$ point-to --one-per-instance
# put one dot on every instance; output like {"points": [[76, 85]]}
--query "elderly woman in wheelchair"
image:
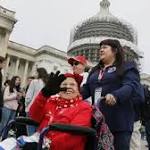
{"points": [[58, 102]]}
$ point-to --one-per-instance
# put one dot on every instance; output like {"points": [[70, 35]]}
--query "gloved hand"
{"points": [[53, 84]]}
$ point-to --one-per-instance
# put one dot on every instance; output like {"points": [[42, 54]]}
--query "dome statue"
{"points": [[86, 36]]}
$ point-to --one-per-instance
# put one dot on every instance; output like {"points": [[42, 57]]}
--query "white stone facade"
{"points": [[7, 22], [22, 60], [145, 79]]}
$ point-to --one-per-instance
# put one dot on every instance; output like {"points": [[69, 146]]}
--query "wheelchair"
{"points": [[94, 135]]}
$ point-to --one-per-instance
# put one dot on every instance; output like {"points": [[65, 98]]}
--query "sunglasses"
{"points": [[75, 63]]}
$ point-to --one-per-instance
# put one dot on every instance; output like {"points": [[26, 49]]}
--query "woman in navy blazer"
{"points": [[118, 83]]}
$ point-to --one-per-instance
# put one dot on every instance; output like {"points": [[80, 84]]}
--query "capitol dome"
{"points": [[86, 36]]}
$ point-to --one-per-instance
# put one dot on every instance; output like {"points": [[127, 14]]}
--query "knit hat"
{"points": [[77, 77]]}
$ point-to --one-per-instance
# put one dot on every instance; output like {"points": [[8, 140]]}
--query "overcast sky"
{"points": [[48, 22]]}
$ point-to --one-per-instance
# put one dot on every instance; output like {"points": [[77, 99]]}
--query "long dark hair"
{"points": [[119, 61], [12, 84], [42, 74]]}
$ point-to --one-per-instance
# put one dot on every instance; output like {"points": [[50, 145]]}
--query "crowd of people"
{"points": [[113, 86]]}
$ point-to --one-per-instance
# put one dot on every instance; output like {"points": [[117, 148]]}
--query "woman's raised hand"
{"points": [[52, 86]]}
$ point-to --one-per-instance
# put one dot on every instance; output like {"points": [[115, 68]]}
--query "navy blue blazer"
{"points": [[126, 90]]}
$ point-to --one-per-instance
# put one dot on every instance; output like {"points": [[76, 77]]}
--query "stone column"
{"points": [[25, 72], [7, 21], [34, 68], [6, 67], [17, 65]]}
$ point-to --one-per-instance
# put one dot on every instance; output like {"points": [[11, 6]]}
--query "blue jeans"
{"points": [[147, 129], [7, 115], [30, 129], [122, 140]]}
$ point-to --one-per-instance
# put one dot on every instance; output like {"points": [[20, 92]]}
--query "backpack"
{"points": [[145, 111]]}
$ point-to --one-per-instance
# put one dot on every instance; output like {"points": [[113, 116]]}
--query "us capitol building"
{"points": [[84, 40], [86, 36]]}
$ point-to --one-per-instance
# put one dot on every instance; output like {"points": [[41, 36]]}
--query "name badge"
{"points": [[112, 69], [97, 96]]}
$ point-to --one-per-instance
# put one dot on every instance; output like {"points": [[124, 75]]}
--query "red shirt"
{"points": [[58, 110]]}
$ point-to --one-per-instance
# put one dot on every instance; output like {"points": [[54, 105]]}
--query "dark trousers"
{"points": [[147, 129], [122, 140]]}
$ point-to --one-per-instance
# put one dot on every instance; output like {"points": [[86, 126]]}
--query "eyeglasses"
{"points": [[75, 63]]}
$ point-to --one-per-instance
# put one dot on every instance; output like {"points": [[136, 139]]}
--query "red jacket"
{"points": [[58, 110]]}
